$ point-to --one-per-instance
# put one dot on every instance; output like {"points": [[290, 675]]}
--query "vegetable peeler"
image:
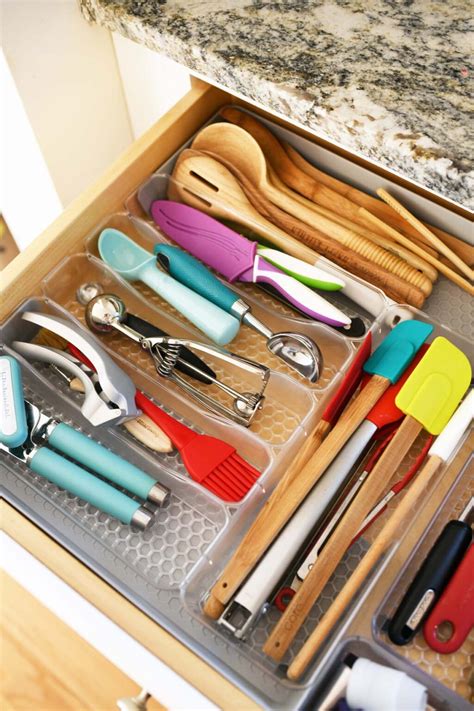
{"points": [[35, 439]]}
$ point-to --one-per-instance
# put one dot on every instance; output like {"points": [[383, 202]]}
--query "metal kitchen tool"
{"points": [[106, 312], [433, 576], [388, 362], [87, 291], [295, 349], [134, 263], [236, 258], [140, 427], [439, 380], [117, 386], [44, 432]]}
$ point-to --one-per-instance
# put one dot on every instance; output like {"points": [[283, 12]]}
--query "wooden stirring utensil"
{"points": [[428, 398], [386, 365], [438, 454], [201, 180], [379, 209], [239, 149], [440, 266], [430, 236]]}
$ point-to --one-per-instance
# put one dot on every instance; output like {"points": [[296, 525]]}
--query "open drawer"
{"points": [[132, 609]]}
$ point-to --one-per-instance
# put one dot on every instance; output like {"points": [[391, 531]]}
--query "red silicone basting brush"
{"points": [[209, 460]]}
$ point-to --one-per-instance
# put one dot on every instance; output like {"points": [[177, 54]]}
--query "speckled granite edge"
{"points": [[351, 119]]}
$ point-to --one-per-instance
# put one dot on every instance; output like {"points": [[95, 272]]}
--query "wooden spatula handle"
{"points": [[291, 491], [329, 558], [386, 537]]}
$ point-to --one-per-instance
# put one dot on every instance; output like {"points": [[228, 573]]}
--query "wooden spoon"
{"points": [[390, 245], [239, 149], [203, 182], [380, 210]]}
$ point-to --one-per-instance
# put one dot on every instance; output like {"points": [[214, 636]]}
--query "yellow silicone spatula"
{"points": [[428, 399]]}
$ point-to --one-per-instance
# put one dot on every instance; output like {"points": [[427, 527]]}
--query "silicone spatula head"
{"points": [[435, 388], [13, 427], [398, 349]]}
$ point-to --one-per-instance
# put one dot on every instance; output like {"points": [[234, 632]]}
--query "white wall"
{"points": [[66, 74], [152, 83]]}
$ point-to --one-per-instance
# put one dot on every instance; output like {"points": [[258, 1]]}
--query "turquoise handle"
{"points": [[192, 273], [69, 476], [13, 428], [99, 459], [209, 318]]}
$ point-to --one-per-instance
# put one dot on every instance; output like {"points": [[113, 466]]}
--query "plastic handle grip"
{"points": [[99, 459], [13, 428], [299, 294], [191, 272], [69, 476], [434, 574], [209, 318], [304, 272], [455, 606], [454, 430]]}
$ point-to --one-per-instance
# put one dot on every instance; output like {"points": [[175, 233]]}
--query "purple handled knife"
{"points": [[236, 258]]}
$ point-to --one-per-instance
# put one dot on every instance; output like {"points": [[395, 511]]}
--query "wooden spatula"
{"points": [[386, 365], [428, 399]]}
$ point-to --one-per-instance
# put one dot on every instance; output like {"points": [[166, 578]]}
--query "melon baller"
{"points": [[107, 312]]}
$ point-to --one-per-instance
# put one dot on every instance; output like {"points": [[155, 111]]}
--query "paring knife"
{"points": [[236, 258], [434, 574], [302, 271]]}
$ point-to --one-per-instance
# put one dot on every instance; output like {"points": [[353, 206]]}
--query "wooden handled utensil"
{"points": [[379, 209], [386, 365], [204, 182], [440, 266], [429, 398], [438, 454], [239, 149], [430, 236], [422, 268]]}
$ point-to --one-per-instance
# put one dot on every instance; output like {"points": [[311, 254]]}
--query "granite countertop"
{"points": [[386, 79]]}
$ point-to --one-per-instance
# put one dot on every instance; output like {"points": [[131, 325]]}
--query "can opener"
{"points": [[35, 439]]}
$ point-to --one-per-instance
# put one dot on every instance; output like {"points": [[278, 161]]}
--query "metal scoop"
{"points": [[107, 312], [297, 350]]}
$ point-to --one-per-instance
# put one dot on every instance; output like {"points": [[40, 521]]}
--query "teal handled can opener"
{"points": [[36, 439]]}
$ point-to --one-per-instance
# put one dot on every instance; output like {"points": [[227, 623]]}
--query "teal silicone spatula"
{"points": [[387, 364], [134, 263]]}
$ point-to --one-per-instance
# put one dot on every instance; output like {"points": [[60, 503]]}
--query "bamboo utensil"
{"points": [[447, 271], [240, 150], [438, 454], [379, 209], [389, 244], [420, 227], [386, 365], [213, 607], [204, 182], [428, 398]]}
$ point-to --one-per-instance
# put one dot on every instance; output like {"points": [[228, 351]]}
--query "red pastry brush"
{"points": [[209, 460]]}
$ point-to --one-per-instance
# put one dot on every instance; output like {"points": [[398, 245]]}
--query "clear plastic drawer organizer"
{"points": [[167, 569]]}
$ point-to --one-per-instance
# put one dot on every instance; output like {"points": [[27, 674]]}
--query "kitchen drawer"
{"points": [[22, 279]]}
